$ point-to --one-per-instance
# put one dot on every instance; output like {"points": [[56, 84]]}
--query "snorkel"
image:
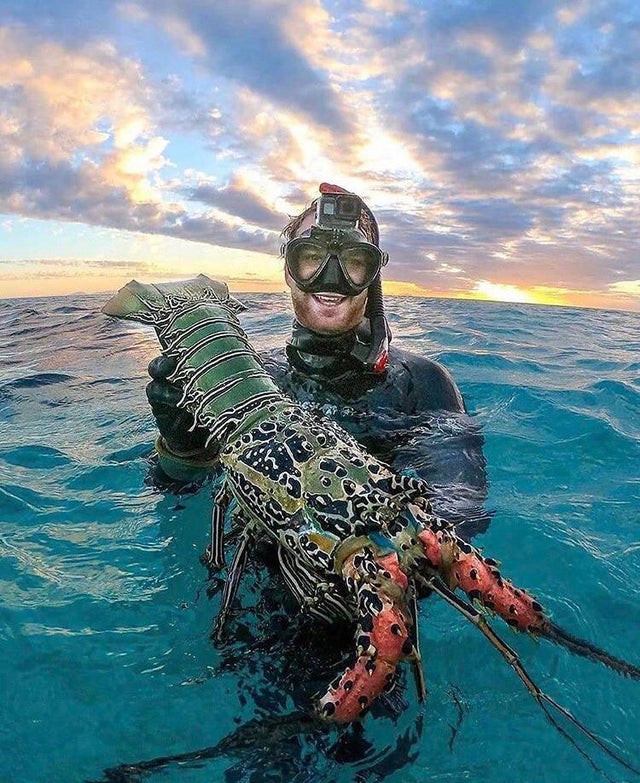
{"points": [[340, 253]]}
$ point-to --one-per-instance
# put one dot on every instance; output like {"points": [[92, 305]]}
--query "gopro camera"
{"points": [[338, 210]]}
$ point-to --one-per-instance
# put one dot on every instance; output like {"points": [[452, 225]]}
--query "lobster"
{"points": [[355, 541]]}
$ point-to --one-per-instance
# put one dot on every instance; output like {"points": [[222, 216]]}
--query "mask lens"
{"points": [[313, 262], [304, 259], [361, 263]]}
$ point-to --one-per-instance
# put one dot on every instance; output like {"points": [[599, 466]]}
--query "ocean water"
{"points": [[105, 608]]}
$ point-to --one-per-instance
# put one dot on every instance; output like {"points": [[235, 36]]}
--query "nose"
{"points": [[332, 278]]}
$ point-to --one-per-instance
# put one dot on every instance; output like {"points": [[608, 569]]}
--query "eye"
{"points": [[310, 255], [307, 261]]}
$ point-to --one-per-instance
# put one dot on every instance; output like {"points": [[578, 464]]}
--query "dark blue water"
{"points": [[105, 617]]}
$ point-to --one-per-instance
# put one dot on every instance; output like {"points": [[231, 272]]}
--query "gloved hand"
{"points": [[174, 423]]}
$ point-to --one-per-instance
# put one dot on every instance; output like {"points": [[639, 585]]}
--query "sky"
{"points": [[496, 141]]}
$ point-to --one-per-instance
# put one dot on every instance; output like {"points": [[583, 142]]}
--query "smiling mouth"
{"points": [[330, 299]]}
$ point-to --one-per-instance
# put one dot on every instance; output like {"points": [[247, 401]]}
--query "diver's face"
{"points": [[326, 313]]}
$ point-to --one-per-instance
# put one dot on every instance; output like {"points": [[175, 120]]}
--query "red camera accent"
{"points": [[326, 187]]}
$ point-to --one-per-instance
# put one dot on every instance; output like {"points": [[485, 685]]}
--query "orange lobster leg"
{"points": [[461, 565], [382, 638]]}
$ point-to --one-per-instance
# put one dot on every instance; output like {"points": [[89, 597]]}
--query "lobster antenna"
{"points": [[585, 649], [510, 655]]}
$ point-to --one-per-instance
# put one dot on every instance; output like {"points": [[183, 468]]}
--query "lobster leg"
{"points": [[382, 638], [213, 556], [236, 569], [462, 566], [416, 662]]}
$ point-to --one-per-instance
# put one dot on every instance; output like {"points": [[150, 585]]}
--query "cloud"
{"points": [[63, 267], [258, 45], [495, 142], [236, 198], [510, 146], [69, 23], [510, 23], [80, 144]]}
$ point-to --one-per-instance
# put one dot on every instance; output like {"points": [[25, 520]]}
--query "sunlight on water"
{"points": [[104, 603]]}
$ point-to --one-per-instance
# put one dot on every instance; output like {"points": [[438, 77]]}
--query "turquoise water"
{"points": [[105, 616]]}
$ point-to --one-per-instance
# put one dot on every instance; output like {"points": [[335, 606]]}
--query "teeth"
{"points": [[330, 298]]}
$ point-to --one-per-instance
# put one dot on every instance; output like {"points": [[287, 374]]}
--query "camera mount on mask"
{"points": [[337, 210]]}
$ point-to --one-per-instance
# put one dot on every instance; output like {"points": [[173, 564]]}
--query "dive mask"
{"points": [[333, 259]]}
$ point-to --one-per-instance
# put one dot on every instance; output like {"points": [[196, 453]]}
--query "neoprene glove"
{"points": [[174, 423]]}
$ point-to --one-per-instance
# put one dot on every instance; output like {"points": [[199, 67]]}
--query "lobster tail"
{"points": [[142, 301], [224, 384]]}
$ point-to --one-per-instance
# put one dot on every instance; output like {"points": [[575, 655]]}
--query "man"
{"points": [[339, 359]]}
